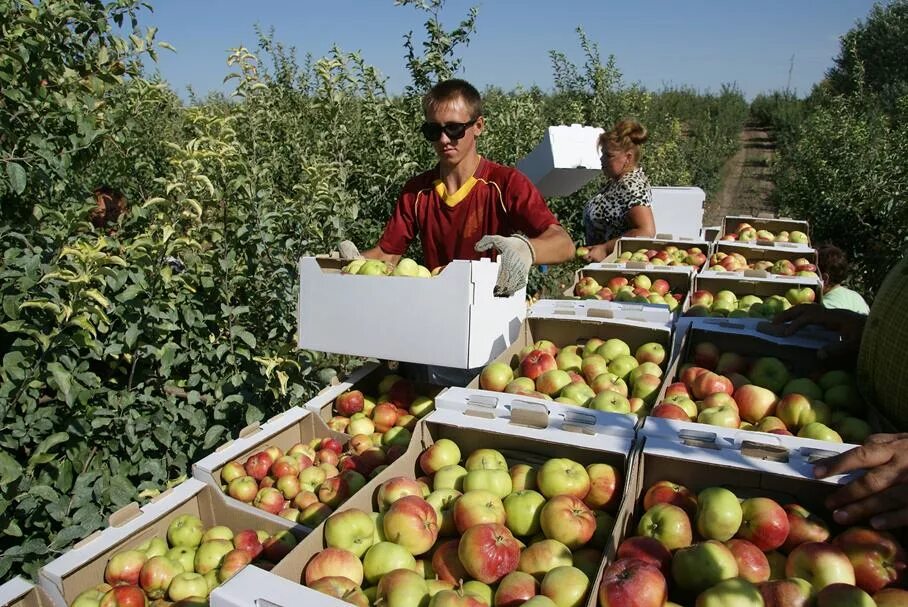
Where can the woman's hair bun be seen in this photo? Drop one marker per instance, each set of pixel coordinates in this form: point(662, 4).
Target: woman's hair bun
point(631, 129)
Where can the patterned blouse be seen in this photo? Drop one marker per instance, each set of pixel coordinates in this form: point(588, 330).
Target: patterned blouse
point(605, 215)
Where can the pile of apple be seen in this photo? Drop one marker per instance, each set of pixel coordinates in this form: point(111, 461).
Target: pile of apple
point(473, 535)
point(726, 304)
point(747, 233)
point(667, 256)
point(729, 390)
point(390, 420)
point(754, 552)
point(186, 567)
point(735, 262)
point(377, 267)
point(600, 374)
point(639, 288)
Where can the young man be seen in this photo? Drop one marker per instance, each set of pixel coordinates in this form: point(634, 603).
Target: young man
point(468, 207)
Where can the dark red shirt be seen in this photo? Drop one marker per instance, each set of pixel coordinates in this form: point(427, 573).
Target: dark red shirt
point(497, 200)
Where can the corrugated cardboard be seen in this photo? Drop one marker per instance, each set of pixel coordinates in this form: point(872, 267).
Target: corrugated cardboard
point(745, 337)
point(19, 593)
point(452, 319)
point(773, 224)
point(678, 210)
point(679, 278)
point(82, 567)
point(256, 587)
point(565, 160)
point(530, 440)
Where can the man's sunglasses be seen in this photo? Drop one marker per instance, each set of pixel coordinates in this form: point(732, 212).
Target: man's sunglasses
point(454, 130)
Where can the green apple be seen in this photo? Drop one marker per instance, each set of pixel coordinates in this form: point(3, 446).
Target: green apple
point(623, 365)
point(485, 459)
point(183, 555)
point(853, 430)
point(185, 530)
point(805, 386)
point(522, 510)
point(406, 267)
point(719, 514)
point(450, 477)
point(210, 554)
point(611, 401)
point(352, 530)
point(187, 585)
point(818, 431)
point(156, 546)
point(770, 373)
point(696, 568)
point(736, 592)
point(577, 393)
point(374, 267)
point(496, 481)
point(385, 557)
point(613, 348)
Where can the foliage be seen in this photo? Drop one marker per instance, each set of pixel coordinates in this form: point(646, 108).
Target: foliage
point(131, 350)
point(781, 111)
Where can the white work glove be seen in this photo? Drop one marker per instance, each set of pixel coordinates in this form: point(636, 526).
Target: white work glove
point(516, 256)
point(347, 250)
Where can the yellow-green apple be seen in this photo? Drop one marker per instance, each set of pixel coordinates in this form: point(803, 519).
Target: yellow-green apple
point(186, 585)
point(632, 582)
point(395, 488)
point(821, 564)
point(514, 589)
point(331, 562)
point(710, 383)
point(637, 406)
point(289, 486)
point(456, 598)
point(311, 478)
point(717, 399)
point(646, 388)
point(450, 477)
point(248, 540)
point(753, 565)
point(877, 557)
point(540, 557)
point(580, 252)
point(609, 381)
point(798, 237)
point(495, 376)
point(836, 377)
point(795, 411)
point(568, 359)
point(770, 423)
point(210, 554)
point(522, 512)
point(443, 501)
point(495, 481)
point(755, 402)
point(343, 589)
point(91, 597)
point(402, 588)
point(185, 530)
point(523, 476)
point(736, 592)
point(422, 406)
point(398, 435)
point(669, 410)
point(125, 568)
point(622, 365)
point(651, 352)
point(483, 592)
point(724, 416)
point(551, 382)
point(843, 595)
point(567, 519)
point(764, 523)
point(156, 575)
point(800, 296)
point(719, 513)
point(818, 431)
point(362, 425)
point(592, 366)
point(488, 552)
point(184, 555)
point(668, 524)
point(610, 401)
point(348, 403)
point(520, 385)
point(667, 492)
point(230, 471)
point(578, 393)
point(612, 348)
point(536, 363)
point(231, 564)
point(642, 281)
point(381, 559)
point(769, 372)
point(446, 563)
point(702, 565)
point(793, 592)
point(361, 442)
point(646, 549)
point(352, 530)
point(566, 586)
point(313, 515)
point(590, 346)
point(804, 526)
point(486, 459)
point(604, 482)
point(444, 452)
point(644, 369)
point(154, 546)
point(805, 386)
point(563, 476)
point(477, 507)
point(333, 492)
point(412, 523)
point(891, 597)
point(377, 521)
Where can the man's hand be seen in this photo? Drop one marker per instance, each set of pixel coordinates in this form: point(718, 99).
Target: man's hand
point(848, 324)
point(597, 253)
point(516, 256)
point(881, 494)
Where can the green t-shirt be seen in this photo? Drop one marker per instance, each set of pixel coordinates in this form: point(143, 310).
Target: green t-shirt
point(842, 298)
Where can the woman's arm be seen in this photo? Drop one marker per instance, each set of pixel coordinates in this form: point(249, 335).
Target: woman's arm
point(642, 224)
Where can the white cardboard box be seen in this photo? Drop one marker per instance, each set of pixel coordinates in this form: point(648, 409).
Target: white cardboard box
point(658, 242)
point(773, 224)
point(82, 567)
point(592, 309)
point(452, 319)
point(564, 161)
point(755, 282)
point(19, 593)
point(678, 210)
point(679, 278)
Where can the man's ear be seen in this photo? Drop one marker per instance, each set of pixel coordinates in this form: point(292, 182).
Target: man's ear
point(480, 125)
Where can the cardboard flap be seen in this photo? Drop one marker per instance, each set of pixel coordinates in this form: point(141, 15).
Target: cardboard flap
point(250, 430)
point(224, 446)
point(636, 265)
point(529, 414)
point(776, 453)
point(124, 515)
point(757, 274)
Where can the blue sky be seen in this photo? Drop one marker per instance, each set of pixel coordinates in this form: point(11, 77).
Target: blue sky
point(698, 43)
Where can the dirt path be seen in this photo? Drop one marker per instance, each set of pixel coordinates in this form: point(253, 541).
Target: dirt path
point(746, 180)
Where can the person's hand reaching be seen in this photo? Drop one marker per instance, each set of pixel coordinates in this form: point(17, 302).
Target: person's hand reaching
point(516, 256)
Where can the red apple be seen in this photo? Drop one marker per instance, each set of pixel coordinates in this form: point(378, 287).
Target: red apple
point(646, 549)
point(536, 363)
point(785, 593)
point(567, 519)
point(125, 568)
point(671, 493)
point(332, 562)
point(349, 402)
point(514, 589)
point(764, 523)
point(258, 465)
point(803, 526)
point(877, 557)
point(710, 383)
point(753, 565)
point(668, 524)
point(124, 596)
point(604, 480)
point(632, 583)
point(489, 552)
point(411, 522)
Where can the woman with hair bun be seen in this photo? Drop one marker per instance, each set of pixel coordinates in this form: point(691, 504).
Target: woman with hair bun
point(623, 207)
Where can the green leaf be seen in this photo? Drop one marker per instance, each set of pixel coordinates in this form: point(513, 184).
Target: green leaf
point(16, 175)
point(122, 491)
point(42, 453)
point(213, 436)
point(10, 470)
point(62, 378)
